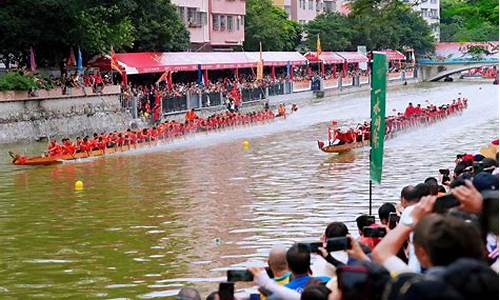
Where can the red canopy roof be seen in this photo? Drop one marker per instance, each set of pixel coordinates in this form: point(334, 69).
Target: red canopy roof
point(352, 57)
point(393, 54)
point(327, 57)
point(152, 62)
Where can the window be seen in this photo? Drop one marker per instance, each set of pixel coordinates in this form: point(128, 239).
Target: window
point(222, 23)
point(191, 17)
point(319, 6)
point(180, 10)
point(287, 10)
point(329, 6)
point(433, 1)
point(310, 4)
point(424, 12)
point(242, 20)
point(215, 22)
point(433, 13)
point(238, 23)
point(230, 23)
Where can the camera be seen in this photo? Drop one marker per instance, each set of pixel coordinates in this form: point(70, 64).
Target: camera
point(374, 232)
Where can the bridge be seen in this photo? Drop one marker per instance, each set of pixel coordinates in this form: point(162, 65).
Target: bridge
point(437, 71)
point(452, 58)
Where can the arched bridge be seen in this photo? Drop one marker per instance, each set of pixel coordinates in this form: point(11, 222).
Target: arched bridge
point(438, 71)
point(451, 57)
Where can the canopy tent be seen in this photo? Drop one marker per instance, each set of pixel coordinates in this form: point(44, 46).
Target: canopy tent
point(326, 57)
point(352, 57)
point(153, 62)
point(393, 55)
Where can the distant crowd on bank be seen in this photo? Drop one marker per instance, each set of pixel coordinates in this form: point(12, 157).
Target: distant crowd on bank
point(440, 241)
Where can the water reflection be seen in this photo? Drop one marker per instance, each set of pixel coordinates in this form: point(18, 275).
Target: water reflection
point(149, 222)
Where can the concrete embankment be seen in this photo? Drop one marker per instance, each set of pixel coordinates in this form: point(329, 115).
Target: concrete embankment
point(32, 119)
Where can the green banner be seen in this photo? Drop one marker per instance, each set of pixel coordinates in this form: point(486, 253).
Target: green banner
point(378, 85)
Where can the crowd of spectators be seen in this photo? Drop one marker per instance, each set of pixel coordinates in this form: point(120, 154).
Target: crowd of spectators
point(440, 241)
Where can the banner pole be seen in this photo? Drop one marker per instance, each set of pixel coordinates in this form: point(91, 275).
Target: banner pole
point(370, 198)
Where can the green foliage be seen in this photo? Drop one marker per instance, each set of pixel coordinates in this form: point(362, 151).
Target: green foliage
point(51, 27)
point(334, 31)
point(469, 21)
point(16, 81)
point(270, 25)
point(99, 31)
point(158, 27)
point(374, 23)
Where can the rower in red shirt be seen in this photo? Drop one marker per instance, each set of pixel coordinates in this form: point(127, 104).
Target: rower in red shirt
point(68, 147)
point(54, 148)
point(85, 145)
point(410, 110)
point(101, 144)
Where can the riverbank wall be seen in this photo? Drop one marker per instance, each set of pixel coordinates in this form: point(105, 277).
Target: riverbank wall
point(29, 118)
point(25, 118)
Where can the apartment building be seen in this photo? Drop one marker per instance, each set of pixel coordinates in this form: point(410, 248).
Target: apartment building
point(429, 10)
point(213, 24)
point(304, 11)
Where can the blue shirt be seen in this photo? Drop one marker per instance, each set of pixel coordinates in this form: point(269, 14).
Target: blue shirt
point(299, 283)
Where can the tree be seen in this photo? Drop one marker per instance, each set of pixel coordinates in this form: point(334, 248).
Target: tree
point(269, 24)
point(334, 30)
point(158, 27)
point(469, 21)
point(397, 26)
point(51, 27)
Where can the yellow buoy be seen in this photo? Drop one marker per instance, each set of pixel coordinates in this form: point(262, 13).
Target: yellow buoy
point(79, 185)
point(246, 144)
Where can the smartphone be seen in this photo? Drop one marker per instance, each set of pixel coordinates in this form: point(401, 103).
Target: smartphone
point(239, 275)
point(489, 216)
point(338, 243)
point(374, 232)
point(313, 247)
point(444, 203)
point(393, 220)
point(226, 291)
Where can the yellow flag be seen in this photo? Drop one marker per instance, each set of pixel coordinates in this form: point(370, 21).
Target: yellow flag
point(318, 47)
point(260, 65)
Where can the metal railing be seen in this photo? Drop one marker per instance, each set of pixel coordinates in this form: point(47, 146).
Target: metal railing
point(252, 94)
point(173, 104)
point(211, 99)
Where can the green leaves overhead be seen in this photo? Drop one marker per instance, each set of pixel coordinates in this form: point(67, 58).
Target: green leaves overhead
point(373, 23)
point(270, 25)
point(469, 21)
point(51, 27)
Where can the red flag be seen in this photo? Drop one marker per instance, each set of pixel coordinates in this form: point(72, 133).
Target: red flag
point(116, 66)
point(163, 77)
point(71, 61)
point(32, 60)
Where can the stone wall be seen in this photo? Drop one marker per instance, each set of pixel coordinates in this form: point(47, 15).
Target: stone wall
point(27, 120)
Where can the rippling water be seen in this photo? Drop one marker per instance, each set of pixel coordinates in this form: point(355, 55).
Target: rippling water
point(151, 221)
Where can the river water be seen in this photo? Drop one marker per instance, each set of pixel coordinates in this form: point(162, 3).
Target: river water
point(151, 221)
